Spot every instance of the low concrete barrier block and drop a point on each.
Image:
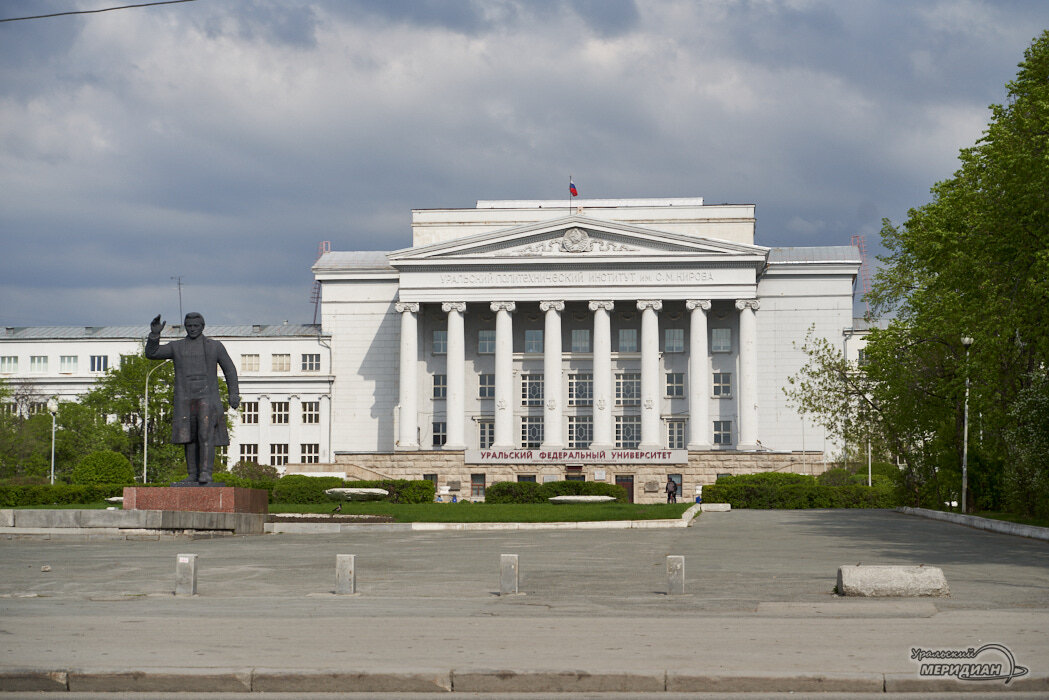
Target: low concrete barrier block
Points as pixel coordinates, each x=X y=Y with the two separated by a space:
x=892 y=581
x=27 y=680
x=716 y=507
x=269 y=680
x=483 y=681
x=161 y=680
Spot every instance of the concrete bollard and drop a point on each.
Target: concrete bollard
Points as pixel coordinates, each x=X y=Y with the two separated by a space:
x=186 y=574
x=508 y=574
x=675 y=575
x=345 y=574
x=892 y=581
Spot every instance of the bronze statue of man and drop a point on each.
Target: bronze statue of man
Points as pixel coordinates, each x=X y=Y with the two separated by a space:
x=198 y=420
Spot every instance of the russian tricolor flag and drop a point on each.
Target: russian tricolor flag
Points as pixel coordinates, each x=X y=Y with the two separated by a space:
x=572 y=189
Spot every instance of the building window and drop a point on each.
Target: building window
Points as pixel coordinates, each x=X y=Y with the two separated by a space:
x=580 y=340
x=222 y=458
x=628 y=389
x=532 y=389
x=861 y=357
x=528 y=478
x=67 y=364
x=533 y=340
x=432 y=478
x=440 y=433
x=249 y=413
x=627 y=340
x=309 y=453
x=580 y=431
x=722 y=385
x=485 y=433
x=721 y=340
x=722 y=432
x=676 y=434
x=675 y=384
x=477 y=486
x=440 y=386
x=581 y=389
x=485 y=342
x=311 y=411
x=628 y=431
x=278 y=454
x=38 y=363
x=311 y=362
x=249 y=363
x=37 y=408
x=249 y=453
x=486 y=386
x=282 y=363
x=9 y=364
x=440 y=342
x=280 y=410
x=99 y=363
x=674 y=340
x=531 y=431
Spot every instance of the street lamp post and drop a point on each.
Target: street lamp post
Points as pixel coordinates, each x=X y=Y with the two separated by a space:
x=966 y=341
x=52 y=407
x=145 y=421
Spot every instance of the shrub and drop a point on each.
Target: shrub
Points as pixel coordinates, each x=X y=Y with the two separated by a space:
x=104 y=467
x=254 y=471
x=514 y=492
x=768 y=479
x=296 y=488
x=401 y=490
x=12 y=496
x=800 y=496
x=835 y=477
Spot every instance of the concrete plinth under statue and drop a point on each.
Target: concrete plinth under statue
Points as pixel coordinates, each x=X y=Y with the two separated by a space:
x=216 y=499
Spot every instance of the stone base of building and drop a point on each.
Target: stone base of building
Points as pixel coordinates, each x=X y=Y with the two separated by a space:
x=456 y=478
x=211 y=499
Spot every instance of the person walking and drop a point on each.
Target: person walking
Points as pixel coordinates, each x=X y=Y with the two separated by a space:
x=671 y=490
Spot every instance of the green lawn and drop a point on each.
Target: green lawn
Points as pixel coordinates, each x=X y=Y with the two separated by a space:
x=494 y=513
x=466 y=512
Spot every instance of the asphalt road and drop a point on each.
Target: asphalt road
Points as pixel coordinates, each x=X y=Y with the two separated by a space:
x=759 y=603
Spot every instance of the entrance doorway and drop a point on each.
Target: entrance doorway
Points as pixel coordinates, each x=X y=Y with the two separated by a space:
x=627 y=482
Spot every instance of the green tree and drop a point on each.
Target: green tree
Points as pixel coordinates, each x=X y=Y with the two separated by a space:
x=120 y=395
x=972 y=262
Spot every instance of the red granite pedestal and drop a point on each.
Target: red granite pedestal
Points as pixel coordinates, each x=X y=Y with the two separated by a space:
x=206 y=499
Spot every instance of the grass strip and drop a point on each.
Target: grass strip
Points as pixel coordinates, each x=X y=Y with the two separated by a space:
x=494 y=512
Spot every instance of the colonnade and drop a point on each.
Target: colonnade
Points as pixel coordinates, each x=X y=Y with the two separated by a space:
x=700 y=428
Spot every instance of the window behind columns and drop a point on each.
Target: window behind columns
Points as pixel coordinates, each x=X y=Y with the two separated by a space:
x=531 y=431
x=533 y=340
x=721 y=340
x=580 y=340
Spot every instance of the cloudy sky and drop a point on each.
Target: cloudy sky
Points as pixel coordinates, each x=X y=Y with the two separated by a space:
x=222 y=140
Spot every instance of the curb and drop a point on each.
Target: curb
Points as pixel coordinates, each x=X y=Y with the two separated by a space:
x=275 y=680
x=1003 y=527
x=334 y=528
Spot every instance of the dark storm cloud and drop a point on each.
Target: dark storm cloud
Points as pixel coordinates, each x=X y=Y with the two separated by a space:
x=222 y=141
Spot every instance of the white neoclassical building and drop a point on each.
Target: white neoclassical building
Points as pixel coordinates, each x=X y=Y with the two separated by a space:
x=617 y=340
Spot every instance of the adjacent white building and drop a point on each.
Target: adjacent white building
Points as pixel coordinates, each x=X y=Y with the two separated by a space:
x=284 y=370
x=614 y=340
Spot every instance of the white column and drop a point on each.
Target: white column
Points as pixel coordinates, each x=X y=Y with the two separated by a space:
x=748 y=375
x=553 y=433
x=602 y=375
x=699 y=428
x=409 y=390
x=325 y=439
x=455 y=403
x=504 y=374
x=650 y=385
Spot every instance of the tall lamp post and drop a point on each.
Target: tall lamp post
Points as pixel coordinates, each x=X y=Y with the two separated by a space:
x=52 y=408
x=966 y=341
x=145 y=421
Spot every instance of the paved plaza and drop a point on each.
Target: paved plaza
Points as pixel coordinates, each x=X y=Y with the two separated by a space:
x=593 y=614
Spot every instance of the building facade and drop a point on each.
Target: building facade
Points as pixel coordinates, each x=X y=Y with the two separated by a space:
x=619 y=340
x=284 y=370
x=612 y=340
